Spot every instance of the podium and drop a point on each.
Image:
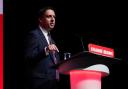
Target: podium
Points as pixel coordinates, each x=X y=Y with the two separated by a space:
x=86 y=69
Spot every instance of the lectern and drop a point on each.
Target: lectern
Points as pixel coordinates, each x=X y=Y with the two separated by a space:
x=86 y=69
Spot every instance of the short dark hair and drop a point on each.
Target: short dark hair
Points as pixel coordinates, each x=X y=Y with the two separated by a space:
x=43 y=10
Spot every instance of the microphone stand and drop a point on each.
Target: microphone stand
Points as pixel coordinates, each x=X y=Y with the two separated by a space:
x=81 y=39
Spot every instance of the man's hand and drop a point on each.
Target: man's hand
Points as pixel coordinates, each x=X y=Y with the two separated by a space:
x=52 y=47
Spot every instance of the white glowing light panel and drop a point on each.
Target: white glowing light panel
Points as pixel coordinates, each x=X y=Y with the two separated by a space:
x=1 y=6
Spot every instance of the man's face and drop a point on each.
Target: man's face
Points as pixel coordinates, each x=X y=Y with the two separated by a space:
x=48 y=19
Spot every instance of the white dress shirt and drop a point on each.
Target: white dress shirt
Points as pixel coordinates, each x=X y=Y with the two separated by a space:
x=45 y=32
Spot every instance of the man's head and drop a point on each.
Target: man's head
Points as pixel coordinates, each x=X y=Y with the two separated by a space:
x=47 y=18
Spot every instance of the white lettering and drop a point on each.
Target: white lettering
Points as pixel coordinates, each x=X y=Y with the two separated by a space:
x=107 y=52
x=96 y=50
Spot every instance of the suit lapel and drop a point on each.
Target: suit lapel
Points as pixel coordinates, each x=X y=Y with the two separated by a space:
x=42 y=37
x=44 y=41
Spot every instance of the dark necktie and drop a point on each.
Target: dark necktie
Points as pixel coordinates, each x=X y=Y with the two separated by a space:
x=53 y=55
x=49 y=38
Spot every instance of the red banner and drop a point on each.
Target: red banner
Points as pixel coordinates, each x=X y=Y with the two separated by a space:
x=1 y=51
x=100 y=50
x=1 y=44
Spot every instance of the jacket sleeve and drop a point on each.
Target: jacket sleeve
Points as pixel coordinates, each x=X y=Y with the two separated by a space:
x=32 y=51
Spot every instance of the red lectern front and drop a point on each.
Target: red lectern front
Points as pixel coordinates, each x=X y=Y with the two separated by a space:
x=88 y=78
x=86 y=70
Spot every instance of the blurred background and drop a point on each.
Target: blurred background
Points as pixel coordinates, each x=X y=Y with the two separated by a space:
x=101 y=23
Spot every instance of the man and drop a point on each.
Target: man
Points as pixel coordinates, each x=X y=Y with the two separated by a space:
x=41 y=53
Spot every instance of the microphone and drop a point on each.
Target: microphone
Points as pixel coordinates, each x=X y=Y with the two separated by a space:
x=81 y=40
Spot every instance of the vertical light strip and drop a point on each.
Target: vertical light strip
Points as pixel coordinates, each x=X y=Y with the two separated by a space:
x=1 y=44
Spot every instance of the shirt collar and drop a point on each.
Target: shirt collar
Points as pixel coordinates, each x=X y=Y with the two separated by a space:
x=44 y=31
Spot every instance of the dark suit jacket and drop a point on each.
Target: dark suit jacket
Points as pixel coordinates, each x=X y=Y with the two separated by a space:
x=38 y=65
